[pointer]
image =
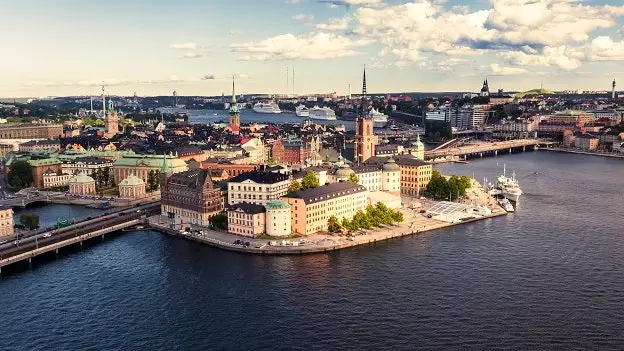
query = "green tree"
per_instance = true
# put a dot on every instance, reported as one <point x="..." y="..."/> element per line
<point x="397" y="216"/>
<point x="294" y="186"/>
<point x="346" y="223"/>
<point x="271" y="161"/>
<point x="219" y="221"/>
<point x="309" y="181"/>
<point x="106" y="175"/>
<point x="333" y="225"/>
<point x="30" y="220"/>
<point x="20" y="174"/>
<point x="353" y="178"/>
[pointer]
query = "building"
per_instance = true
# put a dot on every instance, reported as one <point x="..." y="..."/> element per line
<point x="586" y="142"/>
<point x="418" y="149"/>
<point x="519" y="129"/>
<point x="389" y="150"/>
<point x="37" y="145"/>
<point x="132" y="187"/>
<point x="42" y="165"/>
<point x="278" y="218"/>
<point x="365" y="139"/>
<point x="391" y="177"/>
<point x="257" y="187"/>
<point x="415" y="174"/>
<point x="570" y="116"/>
<point x="290" y="151"/>
<point x="189" y="197"/>
<point x="246" y="219"/>
<point x="232" y="169"/>
<point x="81" y="185"/>
<point x="311" y="208"/>
<point x="442" y="115"/>
<point x="6" y="221"/>
<point x="5" y="149"/>
<point x="30" y="131"/>
<point x="111" y="121"/>
<point x="141" y="165"/>
<point x="85" y="165"/>
<point x="53" y="179"/>
<point x="369" y="176"/>
<point x="255" y="150"/>
<point x="471" y="117"/>
<point x="485" y="89"/>
<point x="234" y="118"/>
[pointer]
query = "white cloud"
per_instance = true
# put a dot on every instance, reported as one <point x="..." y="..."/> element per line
<point x="184" y="46"/>
<point x="334" y="24"/>
<point x="498" y="70"/>
<point x="192" y="54"/>
<point x="448" y="64"/>
<point x="303" y="17"/>
<point x="292" y="2"/>
<point x="236" y="31"/>
<point x="314" y="46"/>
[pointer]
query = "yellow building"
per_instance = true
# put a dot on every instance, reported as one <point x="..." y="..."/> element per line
<point x="415" y="173"/>
<point x="586" y="142"/>
<point x="6" y="221"/>
<point x="311" y="208"/>
<point x="246" y="219"/>
<point x="141" y="165"/>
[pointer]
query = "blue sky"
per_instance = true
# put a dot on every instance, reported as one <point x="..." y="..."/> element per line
<point x="65" y="47"/>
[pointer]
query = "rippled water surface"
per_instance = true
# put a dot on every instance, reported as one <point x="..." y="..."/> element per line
<point x="548" y="277"/>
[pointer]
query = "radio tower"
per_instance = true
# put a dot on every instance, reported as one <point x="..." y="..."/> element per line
<point x="613" y="90"/>
<point x="175" y="98"/>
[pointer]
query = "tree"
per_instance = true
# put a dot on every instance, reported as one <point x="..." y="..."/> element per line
<point x="30" y="220"/>
<point x="397" y="216"/>
<point x="346" y="223"/>
<point x="294" y="186"/>
<point x="106" y="175"/>
<point x="20" y="174"/>
<point x="309" y="181"/>
<point x="219" y="221"/>
<point x="152" y="180"/>
<point x="333" y="225"/>
<point x="271" y="161"/>
<point x="353" y="178"/>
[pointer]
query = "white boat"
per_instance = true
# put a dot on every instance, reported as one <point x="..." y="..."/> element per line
<point x="322" y="113"/>
<point x="266" y="107"/>
<point x="506" y="205"/>
<point x="302" y="111"/>
<point x="378" y="117"/>
<point x="509" y="186"/>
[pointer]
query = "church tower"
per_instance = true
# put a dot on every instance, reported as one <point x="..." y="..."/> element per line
<point x="365" y="139"/>
<point x="234" y="119"/>
<point x="485" y="90"/>
<point x="111" y="120"/>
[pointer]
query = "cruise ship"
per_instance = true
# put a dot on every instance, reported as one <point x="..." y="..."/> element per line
<point x="302" y="111"/>
<point x="266" y="107"/>
<point x="322" y="113"/>
<point x="378" y="117"/>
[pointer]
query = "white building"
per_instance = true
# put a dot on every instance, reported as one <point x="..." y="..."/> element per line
<point x="524" y="128"/>
<point x="257" y="187"/>
<point x="369" y="176"/>
<point x="52" y="179"/>
<point x="86" y="165"/>
<point x="6" y="221"/>
<point x="254" y="147"/>
<point x="391" y="177"/>
<point x="372" y="177"/>
<point x="278" y="218"/>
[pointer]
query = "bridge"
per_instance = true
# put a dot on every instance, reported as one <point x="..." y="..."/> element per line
<point x="52" y="240"/>
<point x="482" y="148"/>
<point x="24" y="201"/>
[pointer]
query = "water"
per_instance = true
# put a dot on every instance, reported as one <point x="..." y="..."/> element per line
<point x="550" y="276"/>
<point x="50" y="214"/>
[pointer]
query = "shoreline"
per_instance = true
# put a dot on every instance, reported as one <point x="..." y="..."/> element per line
<point x="414" y="223"/>
<point x="581" y="152"/>
<point x="377" y="235"/>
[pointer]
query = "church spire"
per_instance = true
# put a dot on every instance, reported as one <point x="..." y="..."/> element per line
<point x="165" y="168"/>
<point x="233" y="104"/>
<point x="364" y="82"/>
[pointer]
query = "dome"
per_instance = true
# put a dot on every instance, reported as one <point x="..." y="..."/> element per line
<point x="344" y="171"/>
<point x="276" y="205"/>
<point x="132" y="180"/>
<point x="390" y="166"/>
<point x="81" y="178"/>
<point x="418" y="143"/>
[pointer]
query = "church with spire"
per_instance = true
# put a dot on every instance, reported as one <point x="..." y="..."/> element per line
<point x="485" y="90"/>
<point x="111" y="120"/>
<point x="234" y="118"/>
<point x="365" y="139"/>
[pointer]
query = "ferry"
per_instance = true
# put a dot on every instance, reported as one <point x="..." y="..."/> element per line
<point x="378" y="117"/>
<point x="302" y="111"/>
<point x="266" y="107"/>
<point x="322" y="113"/>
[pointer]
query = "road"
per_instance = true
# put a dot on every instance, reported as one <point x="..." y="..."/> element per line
<point x="38" y="239"/>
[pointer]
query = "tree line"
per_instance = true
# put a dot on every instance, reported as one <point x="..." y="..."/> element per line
<point x="440" y="188"/>
<point x="372" y="216"/>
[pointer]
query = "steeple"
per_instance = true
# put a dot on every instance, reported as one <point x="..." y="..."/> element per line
<point x="164" y="169"/>
<point x="364" y="82"/>
<point x="233" y="104"/>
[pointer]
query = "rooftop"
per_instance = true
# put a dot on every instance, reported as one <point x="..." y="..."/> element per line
<point x="195" y="179"/>
<point x="247" y="208"/>
<point x="260" y="177"/>
<point x="326" y="192"/>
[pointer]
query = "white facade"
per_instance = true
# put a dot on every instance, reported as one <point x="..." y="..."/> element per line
<point x="438" y="115"/>
<point x="256" y="193"/>
<point x="256" y="150"/>
<point x="371" y="180"/>
<point x="278" y="219"/>
<point x="85" y="168"/>
<point x="6" y="221"/>
<point x="391" y="181"/>
<point x="53" y="180"/>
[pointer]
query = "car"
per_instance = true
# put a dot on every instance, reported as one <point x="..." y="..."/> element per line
<point x="3" y="242"/>
<point x="47" y="235"/>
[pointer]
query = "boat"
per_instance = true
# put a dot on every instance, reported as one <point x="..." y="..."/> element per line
<point x="266" y="107"/>
<point x="393" y="127"/>
<point x="509" y="186"/>
<point x="302" y="111"/>
<point x="506" y="205"/>
<point x="378" y="117"/>
<point x="322" y="113"/>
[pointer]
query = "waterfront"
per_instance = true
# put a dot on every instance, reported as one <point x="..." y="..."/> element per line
<point x="549" y="276"/>
<point x="50" y="214"/>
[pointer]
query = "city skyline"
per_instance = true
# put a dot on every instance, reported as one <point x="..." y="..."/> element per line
<point x="154" y="48"/>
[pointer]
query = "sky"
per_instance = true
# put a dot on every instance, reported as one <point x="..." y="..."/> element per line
<point x="153" y="47"/>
